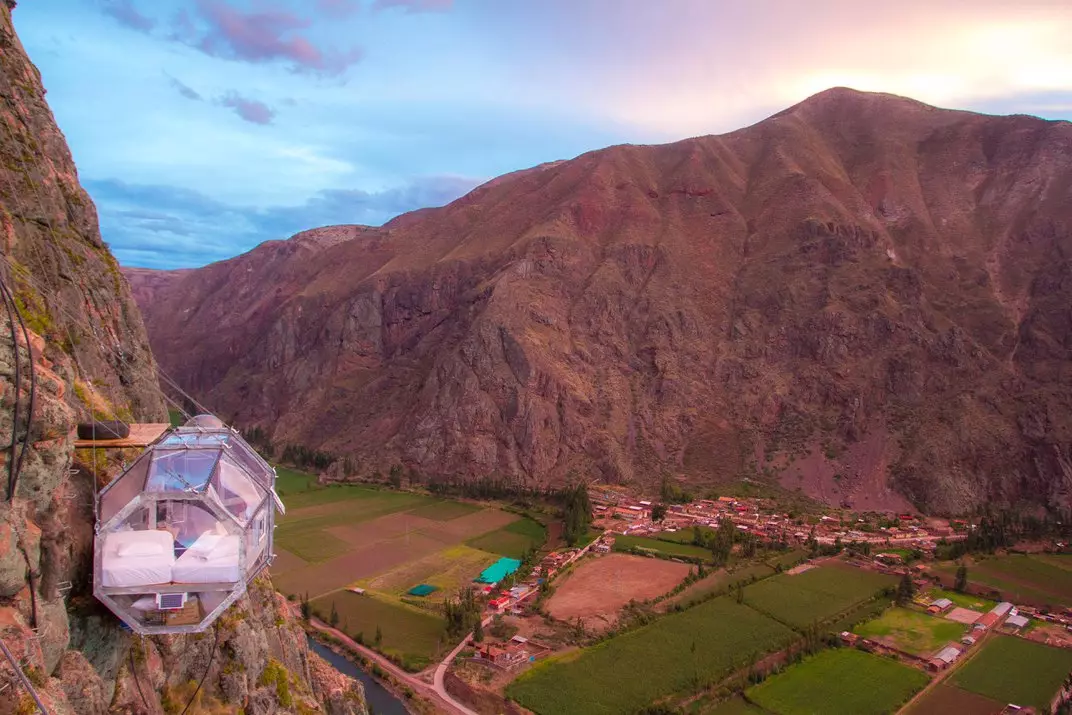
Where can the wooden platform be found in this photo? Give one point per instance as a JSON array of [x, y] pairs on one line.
[[141, 435]]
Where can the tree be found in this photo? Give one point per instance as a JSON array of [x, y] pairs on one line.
[[577, 514], [333, 619], [961, 582], [478, 632], [721, 543], [658, 512], [379, 636], [305, 611], [395, 476], [905, 590]]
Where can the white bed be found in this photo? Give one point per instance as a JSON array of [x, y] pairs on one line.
[[137, 558], [213, 558]]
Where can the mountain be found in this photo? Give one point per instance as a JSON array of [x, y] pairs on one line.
[[87, 351], [861, 297]]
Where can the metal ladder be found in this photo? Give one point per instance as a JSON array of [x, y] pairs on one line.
[[18, 666]]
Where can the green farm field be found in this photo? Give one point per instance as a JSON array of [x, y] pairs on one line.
[[412, 635], [625, 542], [293, 481], [445, 510], [943, 698], [683, 536], [1014, 670], [513, 540], [675, 653], [733, 706], [345, 535], [843, 681], [911, 631], [1023, 578], [447, 570], [815, 595], [721, 580]]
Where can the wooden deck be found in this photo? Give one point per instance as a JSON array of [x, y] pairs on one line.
[[141, 435]]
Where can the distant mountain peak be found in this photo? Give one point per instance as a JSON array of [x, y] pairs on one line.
[[863, 298]]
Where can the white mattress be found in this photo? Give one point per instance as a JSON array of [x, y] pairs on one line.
[[211, 559], [122, 571]]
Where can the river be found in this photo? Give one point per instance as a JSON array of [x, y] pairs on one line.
[[380, 700]]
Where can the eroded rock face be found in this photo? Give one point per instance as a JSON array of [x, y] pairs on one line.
[[859, 269], [89, 355]]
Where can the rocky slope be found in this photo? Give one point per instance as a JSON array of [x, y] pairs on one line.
[[89, 354], [863, 297]]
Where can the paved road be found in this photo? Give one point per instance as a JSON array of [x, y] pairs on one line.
[[441, 673], [435, 692]]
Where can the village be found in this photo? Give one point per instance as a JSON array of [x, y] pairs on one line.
[[901, 547], [622, 513]]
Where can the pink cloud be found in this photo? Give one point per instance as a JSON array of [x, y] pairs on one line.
[[414, 6], [249, 109], [260, 36], [124, 12]]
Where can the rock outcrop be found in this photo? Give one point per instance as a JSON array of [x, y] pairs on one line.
[[88, 354], [862, 297]]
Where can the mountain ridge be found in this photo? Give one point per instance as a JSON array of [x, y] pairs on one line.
[[774, 303]]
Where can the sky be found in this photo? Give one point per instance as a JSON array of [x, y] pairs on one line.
[[203, 127]]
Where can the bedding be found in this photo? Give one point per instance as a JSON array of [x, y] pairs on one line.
[[213, 558], [150, 563]]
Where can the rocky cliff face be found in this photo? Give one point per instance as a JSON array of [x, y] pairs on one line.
[[88, 353], [862, 297]]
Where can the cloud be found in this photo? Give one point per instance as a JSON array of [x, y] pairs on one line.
[[124, 12], [158, 226], [249, 109], [220, 30], [414, 6], [338, 8], [184, 90]]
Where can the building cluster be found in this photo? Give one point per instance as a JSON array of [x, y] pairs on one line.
[[1004, 615], [512, 654], [627, 514]]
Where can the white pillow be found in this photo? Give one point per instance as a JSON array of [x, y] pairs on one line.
[[140, 548], [204, 544], [225, 548]]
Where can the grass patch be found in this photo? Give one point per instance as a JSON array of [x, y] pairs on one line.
[[723, 580], [683, 536], [1014, 670], [787, 560], [911, 631], [292, 481], [963, 600], [512, 540], [843, 680], [312, 546], [816, 595], [669, 548], [445, 510], [414, 637], [334, 493], [676, 653]]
